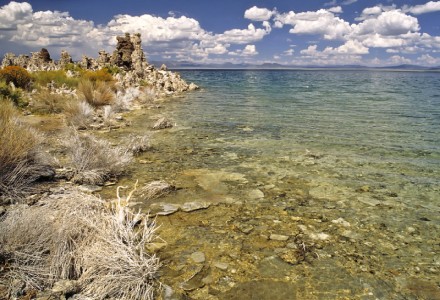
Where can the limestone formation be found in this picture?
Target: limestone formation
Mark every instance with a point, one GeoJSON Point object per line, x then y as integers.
{"type": "Point", "coordinates": [103, 59]}
{"type": "Point", "coordinates": [65, 59]}
{"type": "Point", "coordinates": [8, 60]}
{"type": "Point", "coordinates": [124, 49]}
{"type": "Point", "coordinates": [128, 56]}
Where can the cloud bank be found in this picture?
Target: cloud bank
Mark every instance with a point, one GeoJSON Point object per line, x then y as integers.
{"type": "Point", "coordinates": [393, 30]}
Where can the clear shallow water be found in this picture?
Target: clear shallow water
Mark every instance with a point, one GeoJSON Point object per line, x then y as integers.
{"type": "Point", "coordinates": [344, 163]}
{"type": "Point", "coordinates": [348, 128]}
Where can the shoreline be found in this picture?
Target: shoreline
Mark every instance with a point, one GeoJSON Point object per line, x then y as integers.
{"type": "Point", "coordinates": [272, 235]}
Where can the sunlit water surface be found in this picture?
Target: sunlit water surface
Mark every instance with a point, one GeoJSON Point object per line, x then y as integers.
{"type": "Point", "coordinates": [355, 146]}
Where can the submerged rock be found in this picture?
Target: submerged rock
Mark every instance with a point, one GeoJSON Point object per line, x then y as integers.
{"type": "Point", "coordinates": [195, 205]}
{"type": "Point", "coordinates": [278, 237]}
{"type": "Point", "coordinates": [198, 257]}
{"type": "Point", "coordinates": [162, 123]}
{"type": "Point", "coordinates": [163, 209]}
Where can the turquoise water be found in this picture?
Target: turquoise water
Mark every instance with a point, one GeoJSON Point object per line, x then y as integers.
{"type": "Point", "coordinates": [364, 128]}
{"type": "Point", "coordinates": [345, 164]}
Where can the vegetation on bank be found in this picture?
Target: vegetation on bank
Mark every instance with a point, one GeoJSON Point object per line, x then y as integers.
{"type": "Point", "coordinates": [97, 246]}
{"type": "Point", "coordinates": [22, 160]}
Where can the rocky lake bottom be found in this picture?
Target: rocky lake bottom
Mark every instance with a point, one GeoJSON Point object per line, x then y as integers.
{"type": "Point", "coordinates": [242, 224]}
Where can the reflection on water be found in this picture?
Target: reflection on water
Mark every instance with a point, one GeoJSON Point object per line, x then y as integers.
{"type": "Point", "coordinates": [343, 165]}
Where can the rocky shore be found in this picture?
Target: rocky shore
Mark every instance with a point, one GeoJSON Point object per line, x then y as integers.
{"type": "Point", "coordinates": [127, 60]}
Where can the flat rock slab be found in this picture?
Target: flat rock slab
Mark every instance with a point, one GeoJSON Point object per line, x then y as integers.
{"type": "Point", "coordinates": [278, 237]}
{"type": "Point", "coordinates": [195, 205]}
{"type": "Point", "coordinates": [164, 209]}
{"type": "Point", "coordinates": [198, 257]}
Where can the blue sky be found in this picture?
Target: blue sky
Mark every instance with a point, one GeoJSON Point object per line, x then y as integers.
{"type": "Point", "coordinates": [291, 32]}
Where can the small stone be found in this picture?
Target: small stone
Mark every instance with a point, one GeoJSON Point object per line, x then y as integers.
{"type": "Point", "coordinates": [89, 188]}
{"type": "Point", "coordinates": [2, 210]}
{"type": "Point", "coordinates": [221, 265]}
{"type": "Point", "coordinates": [342, 222]}
{"type": "Point", "coordinates": [278, 237]}
{"type": "Point", "coordinates": [156, 189]}
{"type": "Point", "coordinates": [208, 279]}
{"type": "Point", "coordinates": [198, 257]}
{"type": "Point", "coordinates": [192, 206]}
{"type": "Point", "coordinates": [154, 247]}
{"type": "Point", "coordinates": [245, 228]}
{"type": "Point", "coordinates": [364, 189]}
{"type": "Point", "coordinates": [256, 194]}
{"type": "Point", "coordinates": [65, 286]}
{"type": "Point", "coordinates": [193, 87]}
{"type": "Point", "coordinates": [167, 292]}
{"type": "Point", "coordinates": [162, 123]}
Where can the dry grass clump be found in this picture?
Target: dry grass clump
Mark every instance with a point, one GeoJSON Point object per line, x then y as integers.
{"type": "Point", "coordinates": [46, 102]}
{"type": "Point", "coordinates": [79, 237]}
{"type": "Point", "coordinates": [22, 161]}
{"type": "Point", "coordinates": [94, 160]}
{"type": "Point", "coordinates": [96, 93]}
{"type": "Point", "coordinates": [78, 113]}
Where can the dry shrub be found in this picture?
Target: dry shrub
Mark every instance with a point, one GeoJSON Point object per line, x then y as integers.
{"type": "Point", "coordinates": [47, 102]}
{"type": "Point", "coordinates": [125, 99]}
{"type": "Point", "coordinates": [78, 113]}
{"type": "Point", "coordinates": [79, 237]}
{"type": "Point", "coordinates": [96, 93]}
{"type": "Point", "coordinates": [22, 161]}
{"type": "Point", "coordinates": [156, 189]}
{"type": "Point", "coordinates": [17, 75]}
{"type": "Point", "coordinates": [98, 75]}
{"type": "Point", "coordinates": [138, 144]}
{"type": "Point", "coordinates": [94, 160]}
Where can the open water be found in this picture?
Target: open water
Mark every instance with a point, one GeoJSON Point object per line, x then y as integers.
{"type": "Point", "coordinates": [346, 163]}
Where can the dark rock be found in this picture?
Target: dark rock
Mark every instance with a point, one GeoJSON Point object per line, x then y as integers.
{"type": "Point", "coordinates": [45, 56]}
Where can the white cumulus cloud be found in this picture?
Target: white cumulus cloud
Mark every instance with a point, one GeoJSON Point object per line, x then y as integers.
{"type": "Point", "coordinates": [428, 7]}
{"type": "Point", "coordinates": [258, 14]}
{"type": "Point", "coordinates": [249, 50]}
{"type": "Point", "coordinates": [321, 22]}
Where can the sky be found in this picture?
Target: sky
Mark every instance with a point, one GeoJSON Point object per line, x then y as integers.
{"type": "Point", "coordinates": [291, 32]}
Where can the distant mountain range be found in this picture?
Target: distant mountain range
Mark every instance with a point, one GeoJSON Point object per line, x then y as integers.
{"type": "Point", "coordinates": [274, 66]}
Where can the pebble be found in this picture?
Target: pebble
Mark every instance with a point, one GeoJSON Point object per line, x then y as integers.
{"type": "Point", "coordinates": [154, 247]}
{"type": "Point", "coordinates": [278, 237]}
{"type": "Point", "coordinates": [256, 194]}
{"type": "Point", "coordinates": [221, 265]}
{"type": "Point", "coordinates": [198, 257]}
{"type": "Point", "coordinates": [65, 286]}
{"type": "Point", "coordinates": [2, 210]}
{"type": "Point", "coordinates": [342, 222]}
{"type": "Point", "coordinates": [245, 228]}
{"type": "Point", "coordinates": [89, 188]}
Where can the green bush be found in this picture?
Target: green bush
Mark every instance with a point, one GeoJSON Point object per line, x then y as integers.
{"type": "Point", "coordinates": [10, 94]}
{"type": "Point", "coordinates": [17, 75]}
{"type": "Point", "coordinates": [59, 78]}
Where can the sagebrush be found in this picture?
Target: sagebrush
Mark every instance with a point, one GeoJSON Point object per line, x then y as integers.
{"type": "Point", "coordinates": [80, 237]}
